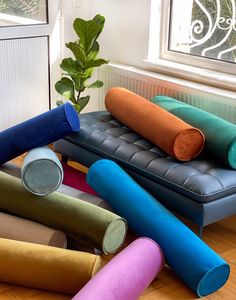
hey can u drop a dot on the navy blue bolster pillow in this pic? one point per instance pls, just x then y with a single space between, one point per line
38 131
197 264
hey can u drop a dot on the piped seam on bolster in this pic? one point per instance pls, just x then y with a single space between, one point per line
200 149
124 237
208 272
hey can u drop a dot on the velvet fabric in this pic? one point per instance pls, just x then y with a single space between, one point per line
220 134
15 228
45 267
76 179
15 171
171 134
41 171
127 274
83 221
38 131
196 264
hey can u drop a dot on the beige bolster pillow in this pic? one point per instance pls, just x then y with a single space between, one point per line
16 228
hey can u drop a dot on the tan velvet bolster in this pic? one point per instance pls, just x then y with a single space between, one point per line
16 228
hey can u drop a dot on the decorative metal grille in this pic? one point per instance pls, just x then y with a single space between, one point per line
211 28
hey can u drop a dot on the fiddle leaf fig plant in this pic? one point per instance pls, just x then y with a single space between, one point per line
79 69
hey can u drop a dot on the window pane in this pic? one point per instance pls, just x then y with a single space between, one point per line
205 28
22 12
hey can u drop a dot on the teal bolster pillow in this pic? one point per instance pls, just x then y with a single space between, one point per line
220 134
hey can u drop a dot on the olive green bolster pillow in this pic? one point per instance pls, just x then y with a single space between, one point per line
220 134
85 222
45 267
16 228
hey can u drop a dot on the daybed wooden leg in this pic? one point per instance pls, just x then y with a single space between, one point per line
64 159
200 231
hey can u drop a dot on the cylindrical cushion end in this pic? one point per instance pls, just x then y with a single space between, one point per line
114 236
188 144
213 280
41 172
72 117
96 266
232 155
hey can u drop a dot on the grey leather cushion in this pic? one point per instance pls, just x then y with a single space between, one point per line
202 179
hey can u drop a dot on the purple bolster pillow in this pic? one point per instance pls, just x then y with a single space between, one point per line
127 274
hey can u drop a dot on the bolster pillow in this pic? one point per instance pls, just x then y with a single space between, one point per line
15 228
38 131
165 130
85 222
127 274
45 267
198 265
41 171
220 134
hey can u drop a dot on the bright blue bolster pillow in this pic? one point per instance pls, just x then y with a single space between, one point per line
198 265
38 131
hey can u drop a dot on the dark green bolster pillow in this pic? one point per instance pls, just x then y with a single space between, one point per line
220 134
85 222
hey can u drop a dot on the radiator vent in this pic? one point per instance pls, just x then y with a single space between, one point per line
148 84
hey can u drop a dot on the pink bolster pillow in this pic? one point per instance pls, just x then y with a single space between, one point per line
127 274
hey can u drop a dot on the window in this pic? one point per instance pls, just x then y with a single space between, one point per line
197 33
203 28
22 12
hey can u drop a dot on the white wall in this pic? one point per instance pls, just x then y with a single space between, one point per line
125 35
73 9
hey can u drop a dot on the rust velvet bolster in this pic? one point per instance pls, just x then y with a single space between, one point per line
179 139
45 267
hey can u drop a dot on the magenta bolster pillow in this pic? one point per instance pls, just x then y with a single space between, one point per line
127 275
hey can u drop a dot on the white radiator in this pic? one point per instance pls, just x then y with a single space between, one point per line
149 84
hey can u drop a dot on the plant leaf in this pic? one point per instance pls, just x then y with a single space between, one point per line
59 103
95 63
82 102
65 87
94 51
96 84
87 32
100 20
70 66
77 82
78 52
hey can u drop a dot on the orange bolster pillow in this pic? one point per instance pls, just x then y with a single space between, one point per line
174 136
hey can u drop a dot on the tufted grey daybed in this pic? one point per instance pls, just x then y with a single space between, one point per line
203 190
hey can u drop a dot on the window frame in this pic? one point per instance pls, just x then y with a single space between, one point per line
160 58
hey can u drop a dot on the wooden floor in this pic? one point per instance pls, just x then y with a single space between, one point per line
220 236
